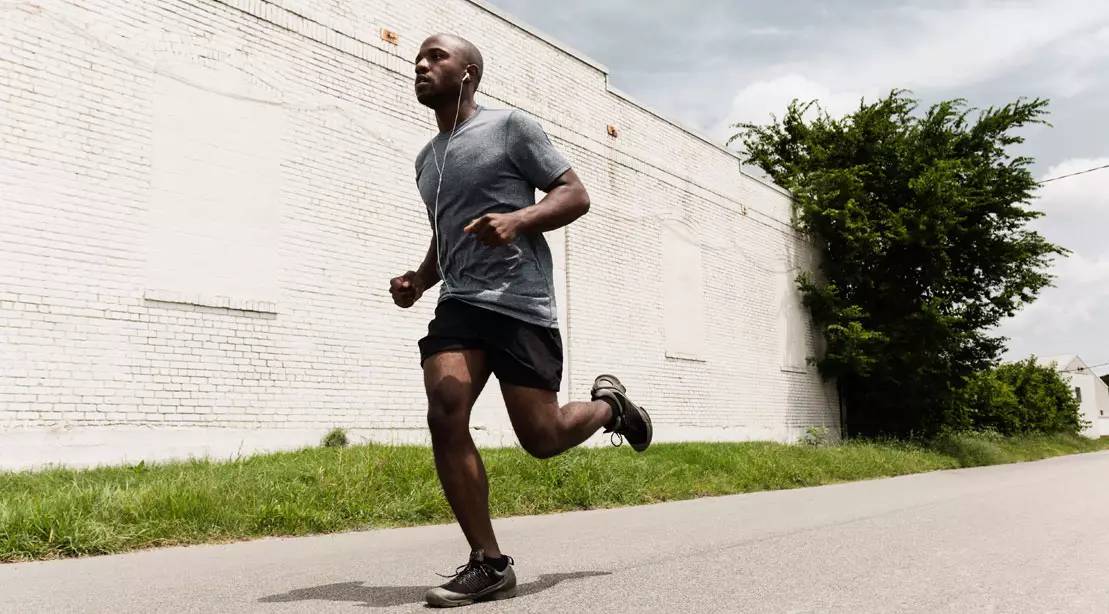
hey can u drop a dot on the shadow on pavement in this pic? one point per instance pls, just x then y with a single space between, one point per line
391 596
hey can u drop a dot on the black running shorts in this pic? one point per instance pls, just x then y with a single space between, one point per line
520 354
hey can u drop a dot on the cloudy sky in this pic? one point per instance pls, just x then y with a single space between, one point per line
711 63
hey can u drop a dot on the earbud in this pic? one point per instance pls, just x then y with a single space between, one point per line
468 76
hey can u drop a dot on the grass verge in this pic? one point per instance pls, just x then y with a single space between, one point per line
66 513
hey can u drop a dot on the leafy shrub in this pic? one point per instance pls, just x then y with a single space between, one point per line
1019 398
337 438
815 437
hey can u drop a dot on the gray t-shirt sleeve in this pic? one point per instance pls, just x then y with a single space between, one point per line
530 149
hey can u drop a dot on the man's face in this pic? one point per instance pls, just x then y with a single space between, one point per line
439 71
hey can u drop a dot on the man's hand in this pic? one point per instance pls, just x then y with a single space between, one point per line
406 289
495 229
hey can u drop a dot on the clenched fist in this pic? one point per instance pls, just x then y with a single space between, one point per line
495 229
406 289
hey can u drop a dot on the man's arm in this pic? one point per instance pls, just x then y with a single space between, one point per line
428 273
408 288
566 201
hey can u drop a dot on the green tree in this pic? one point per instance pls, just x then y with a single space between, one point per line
922 220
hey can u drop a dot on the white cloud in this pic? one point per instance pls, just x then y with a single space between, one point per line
765 31
1082 192
1072 316
931 48
756 102
1081 63
1063 312
949 48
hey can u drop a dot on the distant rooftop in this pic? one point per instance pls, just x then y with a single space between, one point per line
1062 361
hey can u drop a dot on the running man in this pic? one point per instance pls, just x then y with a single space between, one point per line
496 312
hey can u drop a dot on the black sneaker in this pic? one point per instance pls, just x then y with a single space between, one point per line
475 581
632 421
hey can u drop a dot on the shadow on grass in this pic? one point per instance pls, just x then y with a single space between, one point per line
392 596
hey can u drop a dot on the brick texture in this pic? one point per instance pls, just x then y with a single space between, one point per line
84 343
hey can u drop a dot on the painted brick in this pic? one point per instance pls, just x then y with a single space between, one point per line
84 346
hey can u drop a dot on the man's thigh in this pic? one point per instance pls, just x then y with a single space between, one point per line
454 378
532 411
455 360
528 362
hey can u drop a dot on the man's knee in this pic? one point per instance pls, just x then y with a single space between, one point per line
448 409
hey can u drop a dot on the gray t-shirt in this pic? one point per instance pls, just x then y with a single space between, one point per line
497 159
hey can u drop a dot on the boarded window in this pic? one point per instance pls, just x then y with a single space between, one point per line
683 294
214 198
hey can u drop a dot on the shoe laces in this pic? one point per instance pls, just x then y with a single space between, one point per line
474 574
617 437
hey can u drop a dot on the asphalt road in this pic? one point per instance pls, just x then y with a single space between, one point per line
1022 538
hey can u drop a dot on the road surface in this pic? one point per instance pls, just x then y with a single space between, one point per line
1020 538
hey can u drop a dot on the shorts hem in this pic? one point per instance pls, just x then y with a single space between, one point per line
430 346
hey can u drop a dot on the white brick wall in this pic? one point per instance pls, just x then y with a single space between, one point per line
85 348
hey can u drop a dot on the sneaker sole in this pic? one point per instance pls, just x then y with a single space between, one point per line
650 431
436 601
612 378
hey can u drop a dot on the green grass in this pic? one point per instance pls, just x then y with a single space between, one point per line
67 513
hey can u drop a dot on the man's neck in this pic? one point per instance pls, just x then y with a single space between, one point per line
445 116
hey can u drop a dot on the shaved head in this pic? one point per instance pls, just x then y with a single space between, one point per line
467 52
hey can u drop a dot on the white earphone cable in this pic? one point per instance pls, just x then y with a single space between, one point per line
438 167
